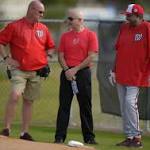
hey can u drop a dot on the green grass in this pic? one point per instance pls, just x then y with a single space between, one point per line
45 112
106 140
46 107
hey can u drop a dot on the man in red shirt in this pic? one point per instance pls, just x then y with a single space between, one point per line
30 42
132 70
76 49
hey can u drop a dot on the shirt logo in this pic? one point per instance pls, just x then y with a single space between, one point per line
76 41
39 33
138 37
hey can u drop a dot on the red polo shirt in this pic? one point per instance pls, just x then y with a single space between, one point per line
133 55
28 43
76 45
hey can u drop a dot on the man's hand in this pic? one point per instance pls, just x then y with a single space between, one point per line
112 78
71 73
11 62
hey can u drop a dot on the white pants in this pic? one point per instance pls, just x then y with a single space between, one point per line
128 97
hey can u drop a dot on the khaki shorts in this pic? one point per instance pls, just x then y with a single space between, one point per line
26 83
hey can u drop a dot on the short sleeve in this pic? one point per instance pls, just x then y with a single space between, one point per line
93 42
6 34
50 42
61 46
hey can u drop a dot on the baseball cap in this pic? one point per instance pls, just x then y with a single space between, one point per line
134 9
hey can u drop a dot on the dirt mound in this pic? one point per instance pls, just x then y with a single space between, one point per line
17 144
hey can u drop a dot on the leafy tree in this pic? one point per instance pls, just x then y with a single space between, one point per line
64 2
122 3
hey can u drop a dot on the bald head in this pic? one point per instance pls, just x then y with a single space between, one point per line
75 19
75 13
35 4
35 10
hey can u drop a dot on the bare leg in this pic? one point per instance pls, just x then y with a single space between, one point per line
26 114
11 109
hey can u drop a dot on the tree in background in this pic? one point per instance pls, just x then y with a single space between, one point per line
57 8
58 2
121 5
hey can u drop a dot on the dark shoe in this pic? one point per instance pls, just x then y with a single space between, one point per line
5 132
59 141
126 142
90 141
27 137
136 142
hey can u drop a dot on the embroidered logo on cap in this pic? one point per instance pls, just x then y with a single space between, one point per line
135 10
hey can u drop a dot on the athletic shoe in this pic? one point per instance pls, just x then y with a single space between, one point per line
136 142
5 132
90 141
126 142
27 137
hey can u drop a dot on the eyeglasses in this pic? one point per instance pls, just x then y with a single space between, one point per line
71 18
41 12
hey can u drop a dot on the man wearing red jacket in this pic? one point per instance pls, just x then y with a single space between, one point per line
30 42
132 70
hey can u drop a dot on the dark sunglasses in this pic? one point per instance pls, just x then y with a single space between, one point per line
71 18
41 12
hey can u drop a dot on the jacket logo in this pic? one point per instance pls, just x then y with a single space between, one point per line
76 41
138 37
39 33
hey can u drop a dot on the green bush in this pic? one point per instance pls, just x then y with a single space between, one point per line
55 11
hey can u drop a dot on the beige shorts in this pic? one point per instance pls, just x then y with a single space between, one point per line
26 83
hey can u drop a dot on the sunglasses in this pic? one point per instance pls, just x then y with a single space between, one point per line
41 12
71 18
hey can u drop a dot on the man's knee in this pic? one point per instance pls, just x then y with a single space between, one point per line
14 96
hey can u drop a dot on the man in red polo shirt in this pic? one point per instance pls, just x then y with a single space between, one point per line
76 50
30 42
132 70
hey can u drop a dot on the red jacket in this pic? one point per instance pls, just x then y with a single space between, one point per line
133 55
